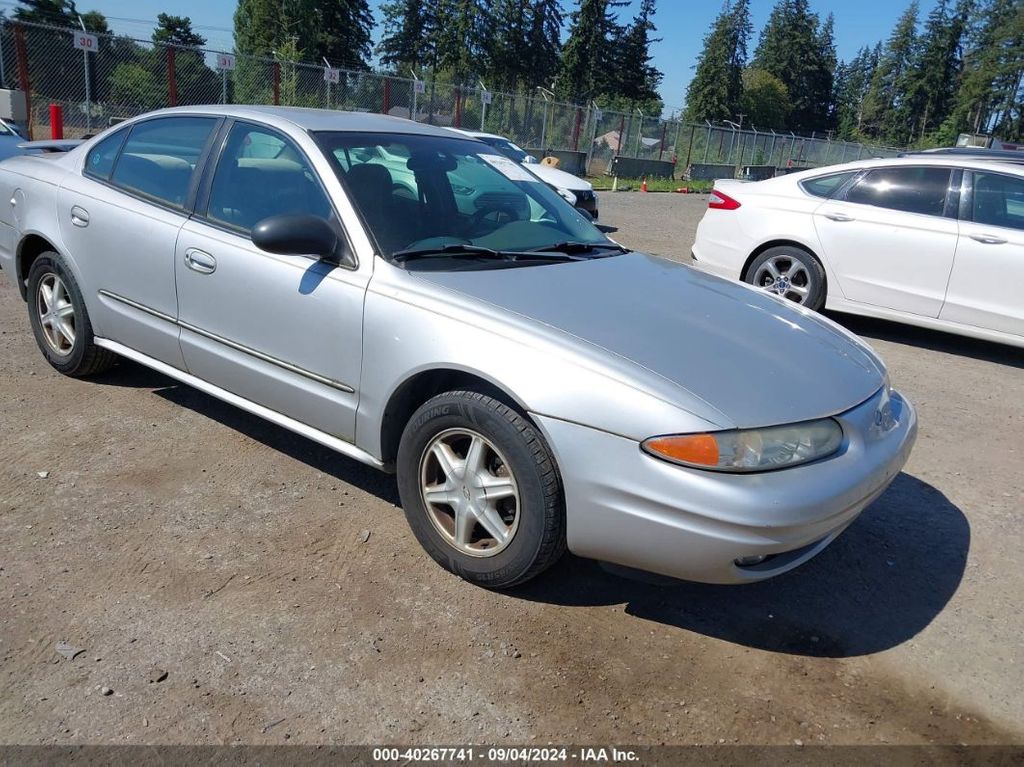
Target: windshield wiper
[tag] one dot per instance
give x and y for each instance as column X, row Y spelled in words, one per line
column 572, row 246
column 460, row 249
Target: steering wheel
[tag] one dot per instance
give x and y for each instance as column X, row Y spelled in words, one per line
column 499, row 211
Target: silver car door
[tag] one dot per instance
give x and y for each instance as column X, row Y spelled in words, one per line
column 282, row 331
column 121, row 218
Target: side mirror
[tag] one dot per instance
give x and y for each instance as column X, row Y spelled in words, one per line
column 297, row 235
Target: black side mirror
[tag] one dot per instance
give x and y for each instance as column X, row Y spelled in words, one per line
column 297, row 235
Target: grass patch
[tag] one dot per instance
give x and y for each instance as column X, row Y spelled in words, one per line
column 604, row 184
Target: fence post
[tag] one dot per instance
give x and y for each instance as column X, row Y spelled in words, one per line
column 689, row 148
column 172, row 80
column 23, row 79
column 277, row 84
column 664, row 129
column 458, row 107
column 576, row 130
column 387, row 96
column 622, row 136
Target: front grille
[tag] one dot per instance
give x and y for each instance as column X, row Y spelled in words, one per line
column 584, row 195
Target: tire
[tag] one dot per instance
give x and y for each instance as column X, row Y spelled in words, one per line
column 797, row 275
column 78, row 355
column 513, row 459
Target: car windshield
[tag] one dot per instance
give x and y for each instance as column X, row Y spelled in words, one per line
column 422, row 194
column 507, row 148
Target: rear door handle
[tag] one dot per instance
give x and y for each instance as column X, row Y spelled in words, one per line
column 79, row 216
column 200, row 261
column 838, row 217
column 988, row 239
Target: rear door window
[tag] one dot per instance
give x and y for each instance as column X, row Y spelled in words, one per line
column 998, row 200
column 912, row 190
column 160, row 157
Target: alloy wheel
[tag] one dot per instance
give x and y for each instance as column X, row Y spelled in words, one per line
column 469, row 492
column 56, row 314
column 785, row 276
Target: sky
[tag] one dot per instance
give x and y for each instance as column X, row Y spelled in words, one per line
column 681, row 24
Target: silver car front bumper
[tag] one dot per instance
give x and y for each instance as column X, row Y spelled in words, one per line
column 626, row 507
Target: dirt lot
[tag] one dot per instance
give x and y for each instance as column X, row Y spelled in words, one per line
column 174, row 534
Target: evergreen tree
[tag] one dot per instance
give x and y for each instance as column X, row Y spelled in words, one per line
column 988, row 98
column 586, row 70
column 525, row 47
column 463, row 34
column 408, row 26
column 935, row 72
column 260, row 27
column 886, row 112
column 636, row 80
column 714, row 92
column 341, row 32
column 851, row 86
column 543, row 43
column 176, row 30
column 765, row 102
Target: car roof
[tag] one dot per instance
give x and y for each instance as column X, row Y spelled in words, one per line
column 1007, row 155
column 942, row 160
column 310, row 119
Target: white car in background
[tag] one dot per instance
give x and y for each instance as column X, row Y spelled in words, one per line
column 930, row 241
column 575, row 190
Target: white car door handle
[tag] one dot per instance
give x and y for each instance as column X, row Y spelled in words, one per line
column 838, row 217
column 201, row 262
column 988, row 239
column 79, row 216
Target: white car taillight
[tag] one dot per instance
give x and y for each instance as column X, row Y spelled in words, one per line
column 721, row 201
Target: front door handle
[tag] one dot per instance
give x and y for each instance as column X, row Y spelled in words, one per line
column 838, row 217
column 79, row 216
column 988, row 239
column 200, row 261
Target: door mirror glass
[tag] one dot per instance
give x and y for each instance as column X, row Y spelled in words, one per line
column 297, row 234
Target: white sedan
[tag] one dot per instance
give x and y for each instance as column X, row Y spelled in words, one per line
column 932, row 242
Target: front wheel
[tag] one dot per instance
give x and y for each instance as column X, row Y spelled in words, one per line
column 790, row 272
column 481, row 490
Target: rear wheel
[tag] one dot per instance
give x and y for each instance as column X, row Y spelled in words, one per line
column 790, row 272
column 480, row 490
column 60, row 321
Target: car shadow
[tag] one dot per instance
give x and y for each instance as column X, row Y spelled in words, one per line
column 132, row 375
column 936, row 340
column 878, row 585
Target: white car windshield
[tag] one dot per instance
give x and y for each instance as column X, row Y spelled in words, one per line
column 418, row 193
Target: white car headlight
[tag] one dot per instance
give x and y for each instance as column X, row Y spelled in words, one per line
column 748, row 450
column 566, row 195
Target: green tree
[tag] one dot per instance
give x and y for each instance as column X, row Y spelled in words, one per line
column 936, row 69
column 886, row 112
column 340, row 31
column 586, row 72
column 635, row 78
column 714, row 92
column 796, row 48
column 765, row 102
column 851, row 86
column 988, row 98
column 407, row 43
column 176, row 30
column 261, row 26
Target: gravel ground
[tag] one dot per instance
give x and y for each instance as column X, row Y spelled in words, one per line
column 229, row 582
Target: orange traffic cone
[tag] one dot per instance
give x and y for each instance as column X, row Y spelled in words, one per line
column 643, row 185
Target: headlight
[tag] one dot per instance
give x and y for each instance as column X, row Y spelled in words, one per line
column 746, row 450
column 566, row 195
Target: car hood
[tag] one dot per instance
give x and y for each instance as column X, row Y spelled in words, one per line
column 751, row 357
column 559, row 178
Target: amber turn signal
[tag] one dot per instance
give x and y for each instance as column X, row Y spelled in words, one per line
column 691, row 449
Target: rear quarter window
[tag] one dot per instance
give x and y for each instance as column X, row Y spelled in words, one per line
column 100, row 160
column 826, row 186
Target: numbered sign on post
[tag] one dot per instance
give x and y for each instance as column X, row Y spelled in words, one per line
column 598, row 114
column 225, row 61
column 485, row 97
column 332, row 75
column 86, row 42
column 420, row 86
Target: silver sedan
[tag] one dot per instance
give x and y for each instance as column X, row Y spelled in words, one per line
column 415, row 301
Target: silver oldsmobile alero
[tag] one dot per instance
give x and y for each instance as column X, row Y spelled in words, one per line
column 411, row 299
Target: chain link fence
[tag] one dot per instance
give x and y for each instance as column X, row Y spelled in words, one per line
column 101, row 79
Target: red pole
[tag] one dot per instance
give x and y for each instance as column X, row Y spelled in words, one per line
column 26, row 85
column 387, row 95
column 277, row 84
column 172, row 80
column 458, row 108
column 56, row 121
